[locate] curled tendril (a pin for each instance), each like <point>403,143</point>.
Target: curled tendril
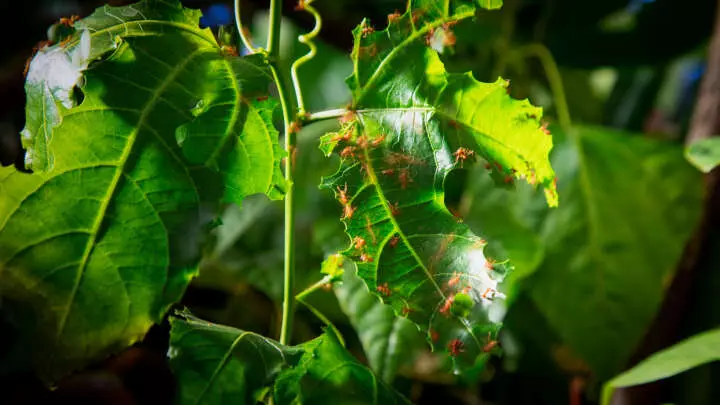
<point>241,30</point>
<point>306,39</point>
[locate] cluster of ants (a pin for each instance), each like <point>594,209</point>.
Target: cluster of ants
<point>68,22</point>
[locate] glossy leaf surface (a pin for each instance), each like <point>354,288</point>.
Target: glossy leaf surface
<point>217,364</point>
<point>105,235</point>
<point>411,125</point>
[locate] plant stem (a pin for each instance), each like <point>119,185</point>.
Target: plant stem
<point>274,28</point>
<point>238,23</point>
<point>307,40</point>
<point>554,79</point>
<point>301,298</point>
<point>325,115</point>
<point>290,142</point>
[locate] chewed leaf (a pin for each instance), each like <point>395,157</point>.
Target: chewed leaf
<point>410,125</point>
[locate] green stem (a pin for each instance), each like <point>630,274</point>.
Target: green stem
<point>245,40</point>
<point>290,143</point>
<point>554,79</point>
<point>324,115</point>
<point>274,28</point>
<point>301,298</point>
<point>306,39</point>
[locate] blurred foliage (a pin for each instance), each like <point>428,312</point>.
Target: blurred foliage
<point>589,277</point>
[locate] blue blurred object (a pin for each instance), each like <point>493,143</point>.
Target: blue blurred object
<point>635,6</point>
<point>216,15</point>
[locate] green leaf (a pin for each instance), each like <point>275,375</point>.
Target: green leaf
<point>411,124</point>
<point>430,11</point>
<point>328,374</point>
<point>217,364</point>
<point>690,353</point>
<point>105,235</point>
<point>630,204</point>
<point>704,154</point>
<point>492,213</point>
<point>389,341</point>
<point>333,266</point>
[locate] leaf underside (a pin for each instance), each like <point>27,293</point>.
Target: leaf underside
<point>389,341</point>
<point>411,124</point>
<point>105,235</point>
<point>218,364</point>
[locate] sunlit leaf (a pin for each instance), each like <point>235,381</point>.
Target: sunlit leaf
<point>105,235</point>
<point>690,353</point>
<point>704,154</point>
<point>410,125</point>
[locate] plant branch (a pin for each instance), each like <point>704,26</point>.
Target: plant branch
<point>306,39</point>
<point>241,31</point>
<point>290,144</point>
<point>552,73</point>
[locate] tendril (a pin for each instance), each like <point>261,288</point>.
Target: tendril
<point>306,39</point>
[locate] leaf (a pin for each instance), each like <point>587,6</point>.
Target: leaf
<point>410,125</point>
<point>704,154</point>
<point>328,374</point>
<point>493,215</point>
<point>218,364</point>
<point>105,235</point>
<point>389,341</point>
<point>429,11</point>
<point>611,248</point>
<point>690,353</point>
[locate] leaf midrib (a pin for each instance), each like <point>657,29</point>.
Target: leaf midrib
<point>100,217</point>
<point>395,51</point>
<point>396,225</point>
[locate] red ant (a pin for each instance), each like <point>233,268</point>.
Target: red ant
<point>489,294</point>
<point>455,347</point>
<point>358,242</point>
<point>394,209</point>
<point>384,290</point>
<point>366,30</point>
<point>378,140</point>
<point>348,152</point>
<point>69,21</point>
<point>366,258</point>
<point>454,280</point>
<point>393,17</point>
<point>404,178</point>
<point>348,212</point>
<point>461,154</point>
<point>394,241</point>
<point>342,195</point>
<point>544,128</point>
<point>445,309</point>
